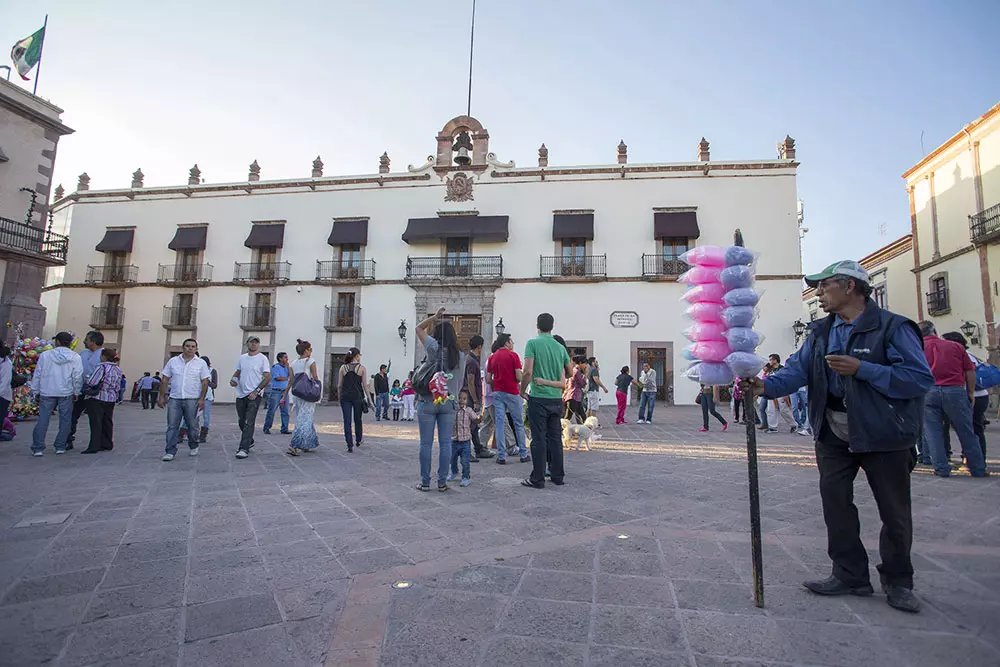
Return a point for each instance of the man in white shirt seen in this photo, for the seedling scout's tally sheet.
(185, 381)
(647, 397)
(253, 374)
(57, 382)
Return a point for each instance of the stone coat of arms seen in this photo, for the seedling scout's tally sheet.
(459, 188)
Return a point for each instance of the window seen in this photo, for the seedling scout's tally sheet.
(267, 257)
(672, 249)
(112, 308)
(187, 265)
(115, 271)
(262, 309)
(185, 309)
(457, 257)
(350, 261)
(938, 302)
(879, 295)
(345, 309)
(574, 253)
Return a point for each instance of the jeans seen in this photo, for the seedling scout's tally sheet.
(762, 412)
(979, 420)
(188, 409)
(461, 450)
(351, 409)
(206, 414)
(800, 408)
(274, 397)
(46, 405)
(102, 425)
(708, 408)
(622, 401)
(430, 416)
(953, 403)
(737, 409)
(381, 406)
(647, 400)
(246, 419)
(504, 403)
(546, 439)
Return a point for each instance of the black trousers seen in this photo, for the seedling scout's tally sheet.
(79, 407)
(476, 443)
(145, 395)
(246, 415)
(102, 424)
(888, 476)
(546, 439)
(574, 407)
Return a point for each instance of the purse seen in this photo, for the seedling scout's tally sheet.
(426, 371)
(306, 388)
(90, 390)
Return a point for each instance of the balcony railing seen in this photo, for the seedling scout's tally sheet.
(257, 318)
(342, 319)
(985, 225)
(586, 266)
(657, 265)
(360, 270)
(266, 272)
(19, 237)
(938, 303)
(431, 268)
(180, 317)
(112, 274)
(107, 317)
(184, 273)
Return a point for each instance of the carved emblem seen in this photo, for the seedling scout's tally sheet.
(459, 188)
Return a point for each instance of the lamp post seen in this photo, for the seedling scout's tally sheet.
(971, 331)
(499, 328)
(402, 331)
(799, 329)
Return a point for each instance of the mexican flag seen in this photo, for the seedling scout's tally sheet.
(27, 53)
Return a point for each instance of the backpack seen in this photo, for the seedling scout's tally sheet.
(987, 375)
(426, 371)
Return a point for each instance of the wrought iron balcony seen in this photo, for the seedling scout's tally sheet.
(658, 266)
(184, 273)
(345, 271)
(113, 273)
(437, 268)
(180, 317)
(38, 243)
(985, 225)
(586, 266)
(254, 318)
(342, 319)
(938, 302)
(107, 317)
(266, 272)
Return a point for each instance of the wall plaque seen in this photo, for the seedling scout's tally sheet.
(624, 319)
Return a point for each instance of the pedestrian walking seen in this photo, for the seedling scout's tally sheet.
(461, 438)
(622, 384)
(154, 390)
(252, 375)
(276, 391)
(6, 375)
(707, 400)
(93, 344)
(982, 397)
(503, 375)
(352, 387)
(473, 386)
(396, 399)
(304, 438)
(182, 392)
(574, 393)
(206, 414)
(737, 401)
(594, 386)
(381, 385)
(56, 382)
(867, 378)
(546, 367)
(437, 335)
(107, 377)
(409, 399)
(781, 406)
(146, 390)
(647, 396)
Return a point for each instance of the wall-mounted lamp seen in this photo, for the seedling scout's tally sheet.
(499, 328)
(402, 331)
(971, 331)
(799, 329)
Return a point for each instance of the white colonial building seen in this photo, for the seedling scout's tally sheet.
(357, 260)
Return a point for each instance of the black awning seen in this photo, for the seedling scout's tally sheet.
(490, 228)
(349, 232)
(675, 224)
(266, 236)
(573, 226)
(189, 238)
(116, 240)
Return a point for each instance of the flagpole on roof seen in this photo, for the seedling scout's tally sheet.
(41, 48)
(472, 43)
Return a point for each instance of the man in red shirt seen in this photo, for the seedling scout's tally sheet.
(952, 395)
(503, 374)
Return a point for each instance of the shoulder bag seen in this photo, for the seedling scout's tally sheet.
(426, 371)
(306, 388)
(93, 389)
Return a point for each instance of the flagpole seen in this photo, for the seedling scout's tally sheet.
(472, 42)
(41, 49)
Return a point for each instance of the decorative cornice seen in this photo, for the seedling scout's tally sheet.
(646, 169)
(964, 133)
(944, 258)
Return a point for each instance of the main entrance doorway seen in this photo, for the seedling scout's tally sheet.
(336, 361)
(466, 326)
(656, 357)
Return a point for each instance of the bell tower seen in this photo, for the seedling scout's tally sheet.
(462, 144)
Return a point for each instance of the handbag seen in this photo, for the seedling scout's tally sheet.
(987, 375)
(306, 388)
(426, 371)
(364, 406)
(698, 398)
(90, 390)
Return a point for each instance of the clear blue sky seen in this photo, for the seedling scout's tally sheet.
(221, 83)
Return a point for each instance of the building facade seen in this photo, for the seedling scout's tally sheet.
(954, 195)
(357, 260)
(30, 129)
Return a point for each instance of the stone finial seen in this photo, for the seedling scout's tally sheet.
(137, 177)
(543, 156)
(383, 164)
(194, 175)
(703, 154)
(83, 183)
(254, 174)
(622, 152)
(786, 148)
(60, 192)
(317, 168)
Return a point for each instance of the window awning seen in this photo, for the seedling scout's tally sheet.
(572, 226)
(189, 238)
(349, 232)
(675, 224)
(490, 228)
(116, 240)
(266, 236)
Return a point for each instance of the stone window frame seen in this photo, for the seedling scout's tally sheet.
(931, 289)
(879, 282)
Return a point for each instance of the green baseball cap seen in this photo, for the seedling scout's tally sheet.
(847, 267)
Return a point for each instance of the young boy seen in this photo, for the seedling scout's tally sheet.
(461, 437)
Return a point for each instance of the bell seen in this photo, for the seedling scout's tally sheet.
(462, 158)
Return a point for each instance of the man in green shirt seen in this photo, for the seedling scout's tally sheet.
(546, 367)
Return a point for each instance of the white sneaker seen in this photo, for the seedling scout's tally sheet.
(37, 453)
(60, 451)
(193, 452)
(641, 421)
(167, 457)
(803, 431)
(242, 454)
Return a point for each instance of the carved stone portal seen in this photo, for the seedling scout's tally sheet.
(459, 188)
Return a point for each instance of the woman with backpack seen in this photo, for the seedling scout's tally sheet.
(106, 383)
(304, 438)
(441, 344)
(352, 387)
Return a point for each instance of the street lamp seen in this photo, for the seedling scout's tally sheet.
(798, 328)
(971, 331)
(499, 328)
(402, 331)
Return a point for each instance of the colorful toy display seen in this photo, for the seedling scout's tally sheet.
(24, 353)
(439, 387)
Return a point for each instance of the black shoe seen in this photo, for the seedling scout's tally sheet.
(485, 454)
(834, 586)
(473, 458)
(88, 450)
(501, 462)
(901, 598)
(267, 431)
(357, 444)
(285, 432)
(350, 449)
(559, 483)
(69, 446)
(532, 485)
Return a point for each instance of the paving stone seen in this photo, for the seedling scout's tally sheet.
(222, 542)
(734, 635)
(42, 615)
(224, 617)
(359, 562)
(644, 565)
(115, 602)
(58, 562)
(148, 572)
(166, 657)
(179, 531)
(706, 569)
(140, 552)
(348, 542)
(831, 644)
(117, 637)
(337, 528)
(315, 598)
(421, 644)
(285, 534)
(544, 619)
(480, 579)
(312, 638)
(634, 591)
(575, 559)
(223, 584)
(709, 596)
(716, 661)
(922, 649)
(224, 560)
(54, 586)
(444, 606)
(269, 646)
(289, 574)
(36, 648)
(798, 603)
(611, 656)
(527, 652)
(568, 586)
(652, 629)
(16, 550)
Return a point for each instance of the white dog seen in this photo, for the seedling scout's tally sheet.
(582, 433)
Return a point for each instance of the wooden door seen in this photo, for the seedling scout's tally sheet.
(336, 361)
(656, 357)
(466, 326)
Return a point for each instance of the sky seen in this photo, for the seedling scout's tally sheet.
(865, 87)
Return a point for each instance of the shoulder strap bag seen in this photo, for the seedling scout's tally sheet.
(306, 388)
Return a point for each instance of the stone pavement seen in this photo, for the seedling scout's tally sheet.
(642, 559)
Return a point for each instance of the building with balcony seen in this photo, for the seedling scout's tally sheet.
(30, 129)
(493, 242)
(954, 195)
